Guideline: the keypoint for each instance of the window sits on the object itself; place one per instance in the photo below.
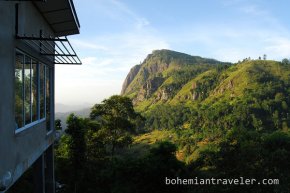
(27, 90)
(42, 90)
(32, 91)
(19, 102)
(47, 96)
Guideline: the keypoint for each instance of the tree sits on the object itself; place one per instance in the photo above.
(116, 116)
(58, 124)
(285, 61)
(76, 149)
(264, 57)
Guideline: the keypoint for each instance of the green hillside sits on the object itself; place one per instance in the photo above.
(171, 77)
(189, 118)
(205, 100)
(162, 74)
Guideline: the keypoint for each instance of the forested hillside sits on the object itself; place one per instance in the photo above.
(225, 119)
(182, 116)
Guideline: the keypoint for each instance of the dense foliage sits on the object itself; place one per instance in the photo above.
(234, 146)
(235, 126)
(86, 163)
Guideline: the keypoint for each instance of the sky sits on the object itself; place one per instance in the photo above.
(118, 34)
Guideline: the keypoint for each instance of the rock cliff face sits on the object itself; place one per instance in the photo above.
(148, 89)
(194, 93)
(162, 74)
(130, 77)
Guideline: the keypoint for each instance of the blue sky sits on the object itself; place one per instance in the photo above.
(118, 34)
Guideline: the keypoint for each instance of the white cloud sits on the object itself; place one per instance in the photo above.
(97, 62)
(81, 44)
(279, 47)
(254, 10)
(141, 23)
(138, 21)
(120, 12)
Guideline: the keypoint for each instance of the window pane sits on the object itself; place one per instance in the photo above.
(47, 92)
(34, 96)
(42, 90)
(19, 90)
(32, 91)
(27, 89)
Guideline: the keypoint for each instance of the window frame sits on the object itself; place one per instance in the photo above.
(47, 69)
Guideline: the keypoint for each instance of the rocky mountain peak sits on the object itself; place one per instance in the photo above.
(161, 75)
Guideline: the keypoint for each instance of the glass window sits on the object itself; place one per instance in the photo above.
(47, 96)
(32, 91)
(19, 105)
(42, 90)
(27, 89)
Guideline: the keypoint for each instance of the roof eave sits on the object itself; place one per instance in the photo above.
(60, 29)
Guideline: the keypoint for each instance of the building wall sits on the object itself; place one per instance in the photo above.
(18, 151)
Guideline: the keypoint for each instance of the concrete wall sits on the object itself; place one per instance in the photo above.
(18, 151)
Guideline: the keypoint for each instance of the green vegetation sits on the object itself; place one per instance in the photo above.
(93, 156)
(162, 74)
(195, 118)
